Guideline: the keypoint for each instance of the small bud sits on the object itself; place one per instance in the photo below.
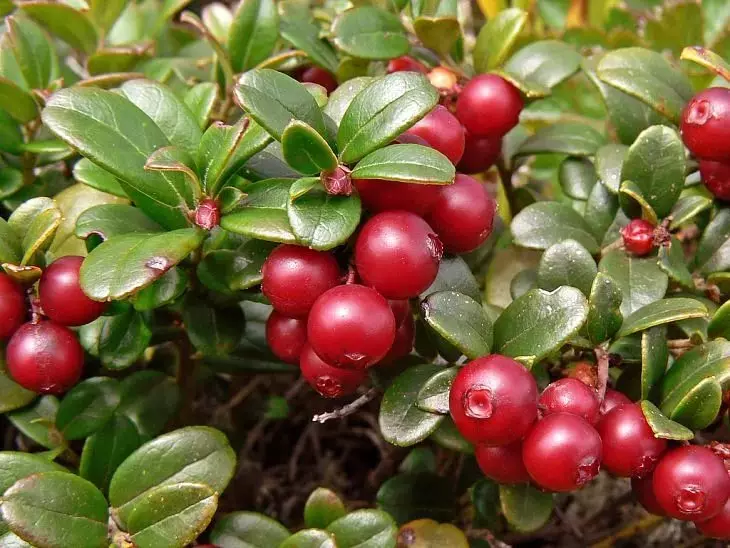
(207, 215)
(443, 79)
(338, 181)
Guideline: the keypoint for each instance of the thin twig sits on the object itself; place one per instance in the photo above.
(348, 409)
(631, 530)
(602, 359)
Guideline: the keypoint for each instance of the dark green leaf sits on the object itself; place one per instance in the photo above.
(12, 395)
(720, 323)
(454, 275)
(70, 25)
(691, 203)
(545, 63)
(369, 32)
(16, 466)
(16, 101)
(10, 248)
(713, 251)
(340, 99)
(446, 435)
(497, 38)
(407, 163)
(253, 33)
(672, 261)
(663, 427)
(109, 220)
(418, 496)
(543, 224)
(641, 281)
(87, 407)
(654, 359)
(700, 407)
(662, 312)
(200, 100)
(485, 499)
(248, 530)
(214, 331)
(566, 263)
(364, 529)
(38, 422)
(322, 508)
(563, 137)
(123, 339)
(460, 320)
(228, 271)
(87, 172)
(434, 394)
(577, 177)
(163, 291)
(305, 36)
(600, 211)
(149, 400)
(306, 150)
(525, 508)
(33, 51)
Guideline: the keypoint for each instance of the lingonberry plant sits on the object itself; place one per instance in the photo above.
(498, 236)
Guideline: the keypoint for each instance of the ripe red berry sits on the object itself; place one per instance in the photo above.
(570, 396)
(706, 124)
(403, 343)
(630, 448)
(493, 400)
(351, 326)
(503, 464)
(320, 76)
(286, 336)
(716, 176)
(294, 276)
(489, 106)
(643, 489)
(378, 195)
(638, 237)
(691, 483)
(463, 215)
(442, 131)
(45, 357)
(401, 310)
(612, 399)
(719, 526)
(406, 63)
(480, 153)
(61, 296)
(12, 306)
(397, 254)
(562, 452)
(330, 382)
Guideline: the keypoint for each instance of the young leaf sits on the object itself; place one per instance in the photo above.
(566, 263)
(641, 281)
(370, 32)
(407, 163)
(248, 528)
(306, 150)
(460, 320)
(10, 247)
(708, 59)
(525, 508)
(364, 528)
(439, 32)
(497, 37)
(662, 312)
(175, 160)
(310, 538)
(341, 98)
(691, 203)
(33, 51)
(544, 224)
(253, 33)
(322, 508)
(720, 323)
(87, 407)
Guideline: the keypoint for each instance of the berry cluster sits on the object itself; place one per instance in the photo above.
(559, 440)
(44, 355)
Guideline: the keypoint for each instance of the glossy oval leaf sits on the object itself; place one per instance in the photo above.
(434, 394)
(544, 224)
(497, 37)
(663, 427)
(306, 150)
(248, 530)
(305, 36)
(415, 495)
(364, 529)
(460, 320)
(370, 32)
(322, 508)
(525, 508)
(109, 220)
(713, 251)
(253, 33)
(71, 25)
(566, 263)
(662, 312)
(87, 172)
(700, 407)
(641, 280)
(545, 63)
(122, 339)
(310, 538)
(654, 359)
(149, 400)
(571, 138)
(406, 163)
(87, 407)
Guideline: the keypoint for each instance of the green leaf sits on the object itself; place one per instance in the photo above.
(571, 138)
(123, 265)
(422, 495)
(214, 331)
(171, 515)
(446, 435)
(33, 51)
(322, 508)
(600, 211)
(649, 77)
(485, 499)
(175, 160)
(341, 98)
(545, 63)
(229, 271)
(70, 25)
(310, 538)
(87, 172)
(56, 509)
(713, 251)
(382, 111)
(105, 12)
(675, 26)
(364, 529)
(123, 339)
(700, 407)
(662, 312)
(525, 508)
(369, 32)
(248, 530)
(544, 224)
(720, 323)
(454, 275)
(95, 121)
(663, 427)
(654, 359)
(497, 38)
(163, 291)
(15, 466)
(407, 163)
(577, 177)
(40, 233)
(200, 100)
(434, 394)
(305, 36)
(566, 263)
(439, 33)
(87, 407)
(17, 102)
(253, 33)
(109, 220)
(38, 422)
(641, 281)
(691, 203)
(306, 150)
(672, 261)
(538, 323)
(10, 248)
(117, 60)
(460, 320)
(401, 422)
(274, 99)
(12, 395)
(149, 400)
(635, 204)
(320, 220)
(708, 59)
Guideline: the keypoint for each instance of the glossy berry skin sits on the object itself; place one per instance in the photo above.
(406, 63)
(706, 124)
(403, 343)
(691, 483)
(330, 382)
(319, 76)
(612, 399)
(45, 357)
(294, 277)
(717, 527)
(489, 106)
(378, 195)
(12, 306)
(643, 489)
(480, 153)
(716, 176)
(503, 464)
(562, 452)
(286, 336)
(570, 396)
(61, 297)
(463, 215)
(397, 254)
(630, 448)
(351, 326)
(638, 237)
(442, 131)
(493, 400)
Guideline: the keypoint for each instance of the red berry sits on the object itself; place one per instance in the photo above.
(719, 526)
(397, 254)
(706, 124)
(208, 214)
(493, 400)
(480, 153)
(463, 214)
(351, 326)
(61, 296)
(442, 131)
(320, 76)
(378, 195)
(638, 237)
(489, 106)
(330, 382)
(294, 276)
(401, 310)
(716, 176)
(630, 448)
(570, 396)
(643, 489)
(45, 357)
(12, 306)
(503, 464)
(286, 336)
(403, 343)
(691, 483)
(612, 399)
(562, 452)
(406, 63)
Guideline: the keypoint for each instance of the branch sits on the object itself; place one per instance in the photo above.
(603, 363)
(348, 409)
